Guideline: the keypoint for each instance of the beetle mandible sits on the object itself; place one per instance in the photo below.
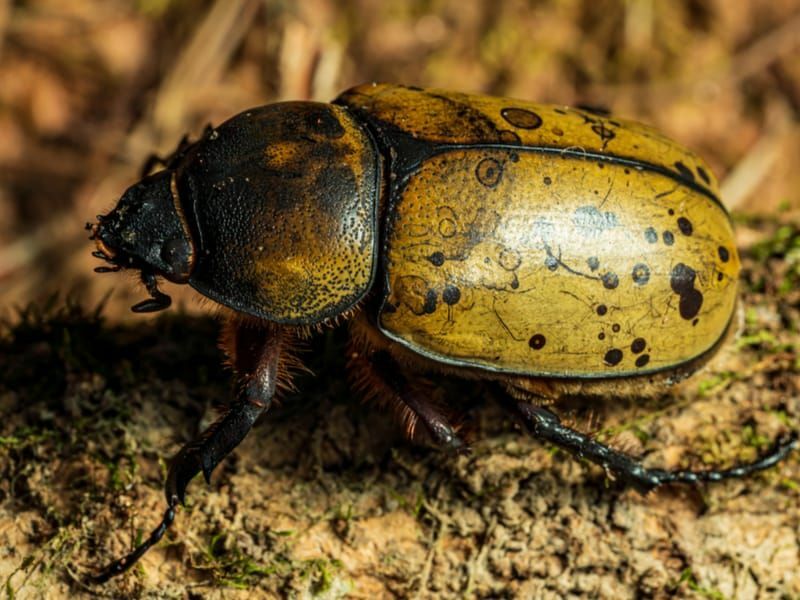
(557, 251)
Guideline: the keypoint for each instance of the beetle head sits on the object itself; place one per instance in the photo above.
(146, 231)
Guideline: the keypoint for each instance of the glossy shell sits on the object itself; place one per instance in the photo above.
(546, 241)
(282, 204)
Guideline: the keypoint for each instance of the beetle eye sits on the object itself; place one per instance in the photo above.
(177, 254)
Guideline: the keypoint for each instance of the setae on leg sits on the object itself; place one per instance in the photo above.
(378, 377)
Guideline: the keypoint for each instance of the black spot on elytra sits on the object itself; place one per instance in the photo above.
(451, 295)
(430, 302)
(489, 172)
(638, 345)
(703, 175)
(601, 336)
(522, 118)
(684, 171)
(537, 341)
(650, 235)
(724, 255)
(670, 212)
(685, 225)
(669, 238)
(603, 132)
(593, 262)
(547, 180)
(682, 281)
(610, 280)
(602, 310)
(551, 263)
(616, 327)
(436, 259)
(642, 360)
(640, 274)
(720, 276)
(613, 357)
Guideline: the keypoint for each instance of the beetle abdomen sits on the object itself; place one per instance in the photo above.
(599, 260)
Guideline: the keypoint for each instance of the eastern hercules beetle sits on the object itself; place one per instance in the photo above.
(556, 251)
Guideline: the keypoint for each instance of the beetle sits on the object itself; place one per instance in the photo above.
(556, 251)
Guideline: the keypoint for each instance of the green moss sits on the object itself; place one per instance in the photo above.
(783, 245)
(688, 577)
(714, 384)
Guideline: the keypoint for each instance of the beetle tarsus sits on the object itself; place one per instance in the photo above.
(544, 424)
(202, 454)
(126, 562)
(158, 300)
(779, 450)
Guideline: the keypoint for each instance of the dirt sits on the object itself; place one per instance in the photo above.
(325, 499)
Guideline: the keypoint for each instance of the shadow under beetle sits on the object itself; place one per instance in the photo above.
(556, 251)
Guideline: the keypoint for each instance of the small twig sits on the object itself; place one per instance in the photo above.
(756, 164)
(444, 522)
(772, 46)
(5, 15)
(479, 557)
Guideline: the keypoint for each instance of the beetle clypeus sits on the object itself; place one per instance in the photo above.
(554, 250)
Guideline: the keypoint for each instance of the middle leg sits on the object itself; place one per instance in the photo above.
(379, 377)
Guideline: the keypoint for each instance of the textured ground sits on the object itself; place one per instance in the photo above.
(324, 498)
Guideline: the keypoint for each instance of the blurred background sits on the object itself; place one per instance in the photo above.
(325, 499)
(90, 88)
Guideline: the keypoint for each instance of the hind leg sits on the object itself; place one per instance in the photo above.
(545, 425)
(154, 161)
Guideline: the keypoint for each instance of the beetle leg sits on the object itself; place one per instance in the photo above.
(154, 161)
(379, 376)
(546, 425)
(257, 354)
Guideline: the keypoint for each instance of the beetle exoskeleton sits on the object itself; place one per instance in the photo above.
(553, 250)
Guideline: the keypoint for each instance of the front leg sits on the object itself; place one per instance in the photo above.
(256, 351)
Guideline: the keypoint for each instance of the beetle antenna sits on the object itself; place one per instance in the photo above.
(157, 301)
(126, 562)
